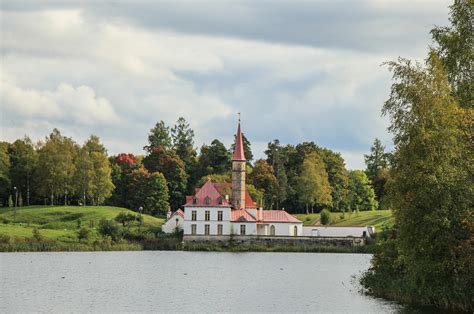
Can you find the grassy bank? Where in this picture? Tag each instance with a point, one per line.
(380, 219)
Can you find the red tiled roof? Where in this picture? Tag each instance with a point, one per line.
(179, 212)
(239, 146)
(221, 186)
(241, 215)
(208, 190)
(278, 216)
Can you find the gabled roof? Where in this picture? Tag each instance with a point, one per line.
(222, 186)
(178, 212)
(208, 190)
(239, 146)
(241, 215)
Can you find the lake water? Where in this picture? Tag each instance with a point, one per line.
(159, 281)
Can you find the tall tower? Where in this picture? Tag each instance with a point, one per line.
(238, 172)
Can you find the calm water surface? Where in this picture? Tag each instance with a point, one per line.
(184, 282)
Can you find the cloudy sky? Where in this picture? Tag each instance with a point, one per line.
(297, 71)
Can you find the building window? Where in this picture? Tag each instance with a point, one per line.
(242, 229)
(177, 221)
(193, 229)
(193, 215)
(207, 215)
(195, 200)
(219, 200)
(207, 200)
(295, 232)
(219, 215)
(207, 229)
(272, 230)
(219, 229)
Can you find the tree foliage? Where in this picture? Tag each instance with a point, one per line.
(159, 136)
(361, 194)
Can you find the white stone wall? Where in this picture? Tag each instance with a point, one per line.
(321, 231)
(201, 222)
(170, 225)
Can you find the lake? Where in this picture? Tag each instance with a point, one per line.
(164, 281)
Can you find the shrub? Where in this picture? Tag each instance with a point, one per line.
(325, 217)
(126, 219)
(83, 234)
(108, 228)
(37, 235)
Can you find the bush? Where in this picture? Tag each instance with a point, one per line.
(108, 228)
(325, 217)
(83, 234)
(126, 219)
(37, 235)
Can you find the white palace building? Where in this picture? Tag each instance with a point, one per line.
(223, 209)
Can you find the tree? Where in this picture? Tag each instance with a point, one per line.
(277, 158)
(183, 141)
(214, 159)
(455, 49)
(4, 172)
(247, 148)
(172, 167)
(325, 217)
(264, 180)
(429, 256)
(102, 185)
(337, 177)
(126, 218)
(55, 170)
(159, 136)
(313, 185)
(377, 159)
(148, 190)
(361, 194)
(84, 175)
(23, 159)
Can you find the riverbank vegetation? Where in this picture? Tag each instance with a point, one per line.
(428, 257)
(380, 219)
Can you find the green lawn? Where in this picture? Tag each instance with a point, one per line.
(60, 222)
(377, 218)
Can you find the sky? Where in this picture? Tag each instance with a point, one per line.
(296, 70)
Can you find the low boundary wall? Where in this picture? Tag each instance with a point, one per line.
(276, 240)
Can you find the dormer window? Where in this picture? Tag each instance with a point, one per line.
(207, 200)
(219, 200)
(195, 200)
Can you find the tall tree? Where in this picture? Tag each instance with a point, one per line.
(276, 158)
(337, 176)
(84, 174)
(183, 141)
(263, 179)
(429, 258)
(149, 191)
(455, 47)
(172, 167)
(361, 194)
(102, 185)
(376, 160)
(214, 159)
(159, 136)
(313, 185)
(4, 172)
(23, 159)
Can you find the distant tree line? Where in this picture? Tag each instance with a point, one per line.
(299, 178)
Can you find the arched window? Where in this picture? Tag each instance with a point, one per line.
(272, 230)
(295, 232)
(207, 200)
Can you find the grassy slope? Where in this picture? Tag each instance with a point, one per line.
(60, 222)
(378, 218)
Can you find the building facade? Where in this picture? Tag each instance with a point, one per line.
(224, 209)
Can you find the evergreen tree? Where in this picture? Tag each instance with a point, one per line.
(159, 136)
(183, 141)
(214, 159)
(377, 159)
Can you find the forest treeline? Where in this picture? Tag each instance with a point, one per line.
(298, 178)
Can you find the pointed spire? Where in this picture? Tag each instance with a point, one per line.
(239, 145)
